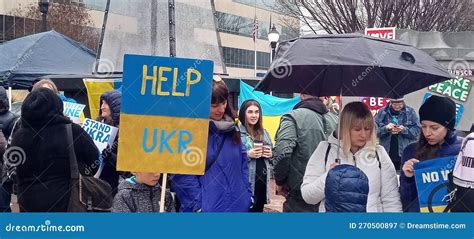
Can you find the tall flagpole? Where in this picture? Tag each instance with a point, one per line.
(255, 28)
(269, 30)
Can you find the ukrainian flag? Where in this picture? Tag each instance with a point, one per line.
(95, 88)
(272, 107)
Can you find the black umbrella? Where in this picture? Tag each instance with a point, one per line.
(350, 65)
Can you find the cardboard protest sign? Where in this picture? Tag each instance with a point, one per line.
(456, 89)
(73, 111)
(375, 103)
(384, 32)
(102, 134)
(431, 177)
(165, 114)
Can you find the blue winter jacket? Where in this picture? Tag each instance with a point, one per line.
(408, 191)
(347, 189)
(225, 186)
(407, 118)
(65, 99)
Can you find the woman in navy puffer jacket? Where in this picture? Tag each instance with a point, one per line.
(347, 189)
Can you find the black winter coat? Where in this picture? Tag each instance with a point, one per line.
(43, 171)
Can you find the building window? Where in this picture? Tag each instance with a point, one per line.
(241, 58)
(268, 5)
(243, 26)
(98, 5)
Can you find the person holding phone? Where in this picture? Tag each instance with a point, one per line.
(258, 144)
(397, 127)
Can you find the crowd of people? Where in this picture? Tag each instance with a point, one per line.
(322, 160)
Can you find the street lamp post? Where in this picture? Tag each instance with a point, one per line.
(43, 6)
(273, 37)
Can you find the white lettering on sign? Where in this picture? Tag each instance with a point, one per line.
(431, 177)
(461, 72)
(457, 89)
(386, 32)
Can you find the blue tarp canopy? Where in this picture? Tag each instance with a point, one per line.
(25, 59)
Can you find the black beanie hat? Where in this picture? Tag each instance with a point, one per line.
(439, 109)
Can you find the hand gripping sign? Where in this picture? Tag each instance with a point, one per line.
(164, 118)
(431, 177)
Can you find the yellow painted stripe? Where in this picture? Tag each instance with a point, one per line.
(271, 124)
(94, 90)
(133, 157)
(435, 209)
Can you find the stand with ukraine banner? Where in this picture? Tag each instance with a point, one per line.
(164, 119)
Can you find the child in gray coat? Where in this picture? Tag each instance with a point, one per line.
(141, 193)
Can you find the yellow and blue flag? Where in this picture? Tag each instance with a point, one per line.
(95, 88)
(272, 107)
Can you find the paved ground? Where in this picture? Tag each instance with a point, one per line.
(276, 201)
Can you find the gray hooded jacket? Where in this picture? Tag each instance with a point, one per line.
(138, 197)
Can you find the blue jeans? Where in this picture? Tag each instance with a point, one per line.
(5, 198)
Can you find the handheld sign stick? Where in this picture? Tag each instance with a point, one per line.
(163, 192)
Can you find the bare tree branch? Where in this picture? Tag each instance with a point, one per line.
(344, 16)
(65, 17)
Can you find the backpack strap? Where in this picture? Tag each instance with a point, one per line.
(327, 154)
(378, 159)
(465, 143)
(72, 155)
(15, 124)
(325, 123)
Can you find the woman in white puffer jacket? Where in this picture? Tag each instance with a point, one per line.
(357, 148)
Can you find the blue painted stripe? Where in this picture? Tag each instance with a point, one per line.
(182, 87)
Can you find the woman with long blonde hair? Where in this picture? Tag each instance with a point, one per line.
(357, 147)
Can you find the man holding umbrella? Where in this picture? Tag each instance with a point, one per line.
(300, 132)
(397, 127)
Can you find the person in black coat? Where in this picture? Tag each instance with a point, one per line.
(43, 168)
(7, 118)
(7, 121)
(109, 113)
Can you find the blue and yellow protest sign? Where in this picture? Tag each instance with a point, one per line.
(102, 134)
(73, 111)
(164, 119)
(431, 177)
